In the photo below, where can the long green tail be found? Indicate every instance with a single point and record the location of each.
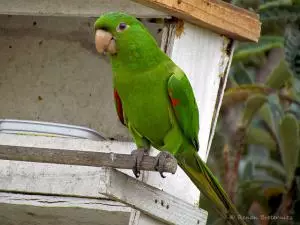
(205, 181)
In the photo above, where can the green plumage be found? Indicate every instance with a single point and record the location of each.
(158, 104)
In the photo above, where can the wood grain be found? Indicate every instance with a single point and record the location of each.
(82, 158)
(218, 16)
(17, 209)
(152, 201)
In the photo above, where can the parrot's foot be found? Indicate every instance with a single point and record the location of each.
(138, 155)
(161, 160)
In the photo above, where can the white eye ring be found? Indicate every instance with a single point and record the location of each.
(121, 27)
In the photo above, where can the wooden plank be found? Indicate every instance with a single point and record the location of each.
(82, 158)
(218, 16)
(76, 8)
(223, 82)
(139, 218)
(54, 179)
(50, 179)
(16, 209)
(145, 219)
(59, 179)
(150, 200)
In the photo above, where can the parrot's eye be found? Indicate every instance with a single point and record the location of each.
(122, 27)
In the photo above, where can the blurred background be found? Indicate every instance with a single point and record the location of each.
(255, 151)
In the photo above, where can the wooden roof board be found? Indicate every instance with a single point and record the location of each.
(218, 16)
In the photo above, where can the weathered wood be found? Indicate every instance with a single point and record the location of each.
(82, 158)
(218, 16)
(16, 209)
(56, 179)
(139, 218)
(223, 82)
(50, 179)
(76, 8)
(83, 181)
(150, 200)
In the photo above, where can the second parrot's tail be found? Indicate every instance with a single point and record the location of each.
(202, 177)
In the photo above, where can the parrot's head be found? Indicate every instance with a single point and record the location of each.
(117, 32)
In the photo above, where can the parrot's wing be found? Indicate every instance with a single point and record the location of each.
(184, 105)
(119, 107)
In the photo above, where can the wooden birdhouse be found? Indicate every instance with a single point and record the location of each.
(65, 157)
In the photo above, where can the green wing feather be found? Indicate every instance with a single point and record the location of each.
(184, 105)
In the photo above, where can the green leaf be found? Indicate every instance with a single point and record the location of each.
(254, 190)
(253, 104)
(241, 93)
(273, 168)
(287, 13)
(259, 136)
(279, 76)
(273, 4)
(289, 145)
(266, 115)
(265, 43)
(292, 48)
(241, 74)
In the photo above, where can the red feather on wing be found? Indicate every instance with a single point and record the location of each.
(119, 107)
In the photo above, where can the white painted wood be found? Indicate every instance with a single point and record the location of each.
(139, 218)
(55, 179)
(50, 179)
(224, 78)
(148, 220)
(16, 209)
(151, 201)
(85, 8)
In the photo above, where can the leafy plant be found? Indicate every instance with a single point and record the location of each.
(255, 151)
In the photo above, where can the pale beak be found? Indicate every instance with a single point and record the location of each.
(105, 42)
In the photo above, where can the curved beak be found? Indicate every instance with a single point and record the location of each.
(105, 42)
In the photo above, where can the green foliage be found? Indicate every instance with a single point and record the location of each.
(289, 145)
(253, 104)
(259, 136)
(292, 48)
(279, 76)
(284, 12)
(264, 100)
(265, 43)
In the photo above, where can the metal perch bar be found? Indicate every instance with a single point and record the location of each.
(82, 158)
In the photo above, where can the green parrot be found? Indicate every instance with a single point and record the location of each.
(155, 101)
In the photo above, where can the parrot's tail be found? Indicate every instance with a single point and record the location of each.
(205, 181)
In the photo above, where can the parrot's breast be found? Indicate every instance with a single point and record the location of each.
(146, 103)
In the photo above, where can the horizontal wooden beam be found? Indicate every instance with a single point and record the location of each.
(31, 209)
(82, 158)
(76, 8)
(218, 16)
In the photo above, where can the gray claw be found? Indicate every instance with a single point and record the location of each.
(138, 155)
(161, 160)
